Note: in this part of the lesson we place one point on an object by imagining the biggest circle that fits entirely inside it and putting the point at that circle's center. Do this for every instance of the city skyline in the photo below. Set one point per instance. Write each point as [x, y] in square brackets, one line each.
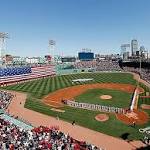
[96, 24]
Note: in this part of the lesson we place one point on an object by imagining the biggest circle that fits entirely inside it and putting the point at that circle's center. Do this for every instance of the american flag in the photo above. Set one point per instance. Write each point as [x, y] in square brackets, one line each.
[36, 72]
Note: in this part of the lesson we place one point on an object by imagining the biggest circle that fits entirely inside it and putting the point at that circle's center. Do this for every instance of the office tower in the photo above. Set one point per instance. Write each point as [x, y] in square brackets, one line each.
[125, 48]
[134, 47]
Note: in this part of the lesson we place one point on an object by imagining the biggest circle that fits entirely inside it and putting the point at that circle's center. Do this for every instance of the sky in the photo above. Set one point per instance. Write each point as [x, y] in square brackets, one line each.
[100, 25]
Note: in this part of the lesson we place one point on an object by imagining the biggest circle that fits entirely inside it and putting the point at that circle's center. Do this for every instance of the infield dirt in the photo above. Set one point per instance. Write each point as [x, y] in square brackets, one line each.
[55, 98]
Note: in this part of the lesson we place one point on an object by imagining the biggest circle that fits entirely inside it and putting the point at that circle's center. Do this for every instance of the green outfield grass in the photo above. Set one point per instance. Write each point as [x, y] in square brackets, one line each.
[38, 89]
[42, 87]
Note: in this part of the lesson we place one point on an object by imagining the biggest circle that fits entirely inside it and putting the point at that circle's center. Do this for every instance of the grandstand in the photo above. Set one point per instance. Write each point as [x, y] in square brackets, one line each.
[142, 68]
[15, 134]
[111, 65]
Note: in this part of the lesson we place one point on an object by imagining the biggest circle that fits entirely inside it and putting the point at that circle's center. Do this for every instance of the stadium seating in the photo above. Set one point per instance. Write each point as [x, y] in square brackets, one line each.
[109, 65]
[101, 65]
[144, 73]
[15, 134]
[85, 64]
[5, 99]
[41, 138]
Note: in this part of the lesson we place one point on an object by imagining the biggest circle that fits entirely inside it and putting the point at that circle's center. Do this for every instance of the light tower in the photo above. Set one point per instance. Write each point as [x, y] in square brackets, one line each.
[3, 37]
[52, 44]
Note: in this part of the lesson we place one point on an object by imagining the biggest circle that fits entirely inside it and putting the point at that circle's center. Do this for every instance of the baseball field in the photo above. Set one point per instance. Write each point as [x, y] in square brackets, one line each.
[43, 94]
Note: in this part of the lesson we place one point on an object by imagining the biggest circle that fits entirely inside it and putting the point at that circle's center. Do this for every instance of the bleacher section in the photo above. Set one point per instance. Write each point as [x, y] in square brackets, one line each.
[36, 72]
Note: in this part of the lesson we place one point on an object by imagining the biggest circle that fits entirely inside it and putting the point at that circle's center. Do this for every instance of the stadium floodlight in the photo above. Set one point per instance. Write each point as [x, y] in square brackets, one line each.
[52, 45]
[52, 42]
[3, 36]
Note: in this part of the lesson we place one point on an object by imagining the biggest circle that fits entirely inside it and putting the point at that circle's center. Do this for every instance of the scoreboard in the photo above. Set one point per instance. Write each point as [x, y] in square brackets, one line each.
[86, 56]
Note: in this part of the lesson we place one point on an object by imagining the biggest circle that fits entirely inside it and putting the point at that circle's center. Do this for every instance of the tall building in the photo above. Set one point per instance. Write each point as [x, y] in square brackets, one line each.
[143, 52]
[125, 55]
[125, 48]
[142, 49]
[134, 47]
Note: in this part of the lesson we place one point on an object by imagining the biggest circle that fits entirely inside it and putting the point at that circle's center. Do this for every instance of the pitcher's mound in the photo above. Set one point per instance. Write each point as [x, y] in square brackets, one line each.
[102, 117]
[145, 106]
[105, 97]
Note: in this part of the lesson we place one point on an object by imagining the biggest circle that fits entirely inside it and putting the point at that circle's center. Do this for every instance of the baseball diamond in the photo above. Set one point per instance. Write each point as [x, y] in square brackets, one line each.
[61, 88]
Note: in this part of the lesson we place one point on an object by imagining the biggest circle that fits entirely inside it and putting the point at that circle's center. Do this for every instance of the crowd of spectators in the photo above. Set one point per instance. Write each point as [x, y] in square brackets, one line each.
[144, 73]
[41, 138]
[5, 99]
[85, 64]
[99, 65]
[13, 137]
[108, 65]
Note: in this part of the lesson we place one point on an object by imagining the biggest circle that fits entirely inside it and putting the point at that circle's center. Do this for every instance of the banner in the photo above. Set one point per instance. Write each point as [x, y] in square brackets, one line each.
[94, 107]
